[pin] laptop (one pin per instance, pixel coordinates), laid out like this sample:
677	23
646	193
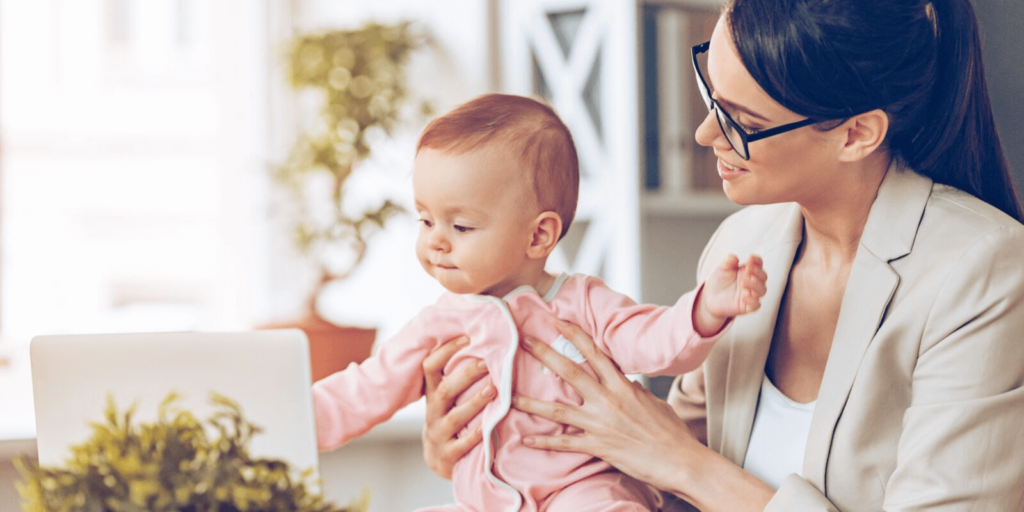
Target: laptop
266	372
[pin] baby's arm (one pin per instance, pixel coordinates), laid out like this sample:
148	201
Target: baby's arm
643	338
349	403
731	290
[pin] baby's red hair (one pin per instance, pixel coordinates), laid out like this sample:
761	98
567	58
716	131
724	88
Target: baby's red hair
529	130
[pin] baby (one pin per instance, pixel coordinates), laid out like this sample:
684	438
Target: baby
495	183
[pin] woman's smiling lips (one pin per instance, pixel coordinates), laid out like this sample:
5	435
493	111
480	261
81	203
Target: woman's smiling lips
728	172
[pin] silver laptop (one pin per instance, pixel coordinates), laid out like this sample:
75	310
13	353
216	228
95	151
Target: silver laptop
266	372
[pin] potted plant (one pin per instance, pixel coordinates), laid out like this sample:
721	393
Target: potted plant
171	465
359	75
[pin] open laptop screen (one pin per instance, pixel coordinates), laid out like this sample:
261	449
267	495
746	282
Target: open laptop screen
266	372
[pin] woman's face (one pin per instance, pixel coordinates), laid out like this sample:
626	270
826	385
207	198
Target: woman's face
800	165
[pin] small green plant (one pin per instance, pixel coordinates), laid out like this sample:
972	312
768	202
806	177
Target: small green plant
171	465
360	76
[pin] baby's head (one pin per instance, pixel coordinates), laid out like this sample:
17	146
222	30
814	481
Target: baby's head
496	181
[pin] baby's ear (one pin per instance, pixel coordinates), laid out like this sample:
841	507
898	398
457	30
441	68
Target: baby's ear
547	228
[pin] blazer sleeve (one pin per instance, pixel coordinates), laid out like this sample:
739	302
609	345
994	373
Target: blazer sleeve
349	403
963	438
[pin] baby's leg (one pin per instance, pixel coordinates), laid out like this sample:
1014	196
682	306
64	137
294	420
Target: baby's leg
610	491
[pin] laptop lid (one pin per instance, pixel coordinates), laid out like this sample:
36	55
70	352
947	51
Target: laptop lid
266	372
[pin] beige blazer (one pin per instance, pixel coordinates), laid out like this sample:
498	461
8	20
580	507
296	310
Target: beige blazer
922	402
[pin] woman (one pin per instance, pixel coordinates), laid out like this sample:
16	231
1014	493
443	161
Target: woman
885	369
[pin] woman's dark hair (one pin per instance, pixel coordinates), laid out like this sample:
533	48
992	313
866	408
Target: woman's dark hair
918	60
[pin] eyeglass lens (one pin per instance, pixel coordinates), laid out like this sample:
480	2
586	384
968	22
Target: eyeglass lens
728	127
731	132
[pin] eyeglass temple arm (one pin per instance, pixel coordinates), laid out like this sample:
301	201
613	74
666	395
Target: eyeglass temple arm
780	129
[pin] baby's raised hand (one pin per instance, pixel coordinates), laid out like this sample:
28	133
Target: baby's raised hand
732	289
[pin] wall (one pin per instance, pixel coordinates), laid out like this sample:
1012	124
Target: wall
1003	49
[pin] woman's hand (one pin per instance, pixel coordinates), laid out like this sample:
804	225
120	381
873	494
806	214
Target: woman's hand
635	431
442	446
622	422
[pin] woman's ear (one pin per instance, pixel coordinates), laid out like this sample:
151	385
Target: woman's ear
864	134
547	228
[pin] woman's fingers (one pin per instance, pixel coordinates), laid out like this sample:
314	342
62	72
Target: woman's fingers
463	444
442	444
460	415
563	443
445	418
606	369
569	371
442	390
455	384
433	364
556	412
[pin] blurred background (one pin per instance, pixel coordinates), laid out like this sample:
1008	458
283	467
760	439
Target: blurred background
148	182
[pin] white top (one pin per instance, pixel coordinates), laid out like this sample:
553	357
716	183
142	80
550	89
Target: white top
779	436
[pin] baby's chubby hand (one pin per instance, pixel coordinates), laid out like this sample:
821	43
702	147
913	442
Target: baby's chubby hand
732	289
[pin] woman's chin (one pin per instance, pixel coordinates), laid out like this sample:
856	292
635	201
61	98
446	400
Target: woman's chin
738	194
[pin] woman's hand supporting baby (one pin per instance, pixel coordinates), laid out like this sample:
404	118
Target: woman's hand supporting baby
442	445
638	433
732	289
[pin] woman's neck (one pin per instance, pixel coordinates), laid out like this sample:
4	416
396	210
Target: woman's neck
833	224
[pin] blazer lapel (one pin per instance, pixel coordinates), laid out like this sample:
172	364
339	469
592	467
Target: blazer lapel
888	235
749	338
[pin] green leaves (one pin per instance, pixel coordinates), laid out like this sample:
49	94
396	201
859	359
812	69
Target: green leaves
360	76
171	465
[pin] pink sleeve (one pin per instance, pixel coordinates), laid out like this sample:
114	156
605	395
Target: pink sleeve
644	338
349	403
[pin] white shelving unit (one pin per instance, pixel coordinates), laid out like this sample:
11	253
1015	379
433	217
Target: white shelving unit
619	73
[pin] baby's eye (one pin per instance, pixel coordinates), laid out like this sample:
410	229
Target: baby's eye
426	223
463	229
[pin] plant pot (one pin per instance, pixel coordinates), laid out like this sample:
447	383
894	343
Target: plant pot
331	347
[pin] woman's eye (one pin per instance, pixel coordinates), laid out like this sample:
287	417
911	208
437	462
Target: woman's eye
750	130
463	229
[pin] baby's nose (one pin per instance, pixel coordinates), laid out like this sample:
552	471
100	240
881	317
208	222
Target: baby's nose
438	242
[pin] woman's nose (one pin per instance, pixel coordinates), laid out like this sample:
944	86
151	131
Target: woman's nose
709	134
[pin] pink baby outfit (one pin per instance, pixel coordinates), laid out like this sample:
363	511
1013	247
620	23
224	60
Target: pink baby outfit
502	473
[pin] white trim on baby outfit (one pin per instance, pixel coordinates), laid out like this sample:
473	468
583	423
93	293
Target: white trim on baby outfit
508	369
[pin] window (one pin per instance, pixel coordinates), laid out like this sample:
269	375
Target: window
133	175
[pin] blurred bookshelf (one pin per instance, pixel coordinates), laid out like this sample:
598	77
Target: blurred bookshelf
679	176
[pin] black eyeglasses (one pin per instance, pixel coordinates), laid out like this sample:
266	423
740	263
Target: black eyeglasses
738	138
